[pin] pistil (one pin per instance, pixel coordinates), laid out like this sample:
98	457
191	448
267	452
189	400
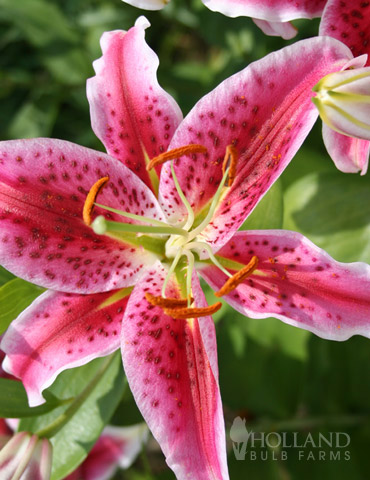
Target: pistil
100	226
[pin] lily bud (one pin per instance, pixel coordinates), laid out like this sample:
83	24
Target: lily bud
26	457
343	101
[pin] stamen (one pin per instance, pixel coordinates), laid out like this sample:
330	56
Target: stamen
90	199
183	313
236	279
189	273
230	161
167	302
190	219
210	253
133	216
211	211
175	153
170	272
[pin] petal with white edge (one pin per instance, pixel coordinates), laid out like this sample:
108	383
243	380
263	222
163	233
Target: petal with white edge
171	367
130	113
298	283
350	155
43	239
59	331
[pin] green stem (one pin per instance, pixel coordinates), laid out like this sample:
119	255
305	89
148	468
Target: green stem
190	220
53	428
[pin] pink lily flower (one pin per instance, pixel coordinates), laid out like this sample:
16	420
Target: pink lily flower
126	275
117	447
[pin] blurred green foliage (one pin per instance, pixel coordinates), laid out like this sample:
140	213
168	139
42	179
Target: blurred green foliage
278	377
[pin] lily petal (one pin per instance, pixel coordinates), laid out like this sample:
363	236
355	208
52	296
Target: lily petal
59	331
271	10
5	431
350	155
130	113
349	22
276	29
266	112
43	187
298	283
170	366
116	447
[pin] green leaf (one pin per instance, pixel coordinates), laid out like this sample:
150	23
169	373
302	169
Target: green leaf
14	402
41	22
36	117
332	210
5	276
269	212
97	389
15	296
253	370
272	332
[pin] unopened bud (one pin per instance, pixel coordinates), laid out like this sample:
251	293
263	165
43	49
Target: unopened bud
343	101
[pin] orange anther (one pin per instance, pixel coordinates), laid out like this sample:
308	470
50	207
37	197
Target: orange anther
176	153
90	199
183	313
230	160
236	279
167	302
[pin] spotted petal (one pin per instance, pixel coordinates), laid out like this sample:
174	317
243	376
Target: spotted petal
266	112
60	331
349	22
298	283
130	113
43	186
171	366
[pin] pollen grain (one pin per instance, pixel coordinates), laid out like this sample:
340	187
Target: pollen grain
230	160
236	279
90	199
176	153
167	302
192	312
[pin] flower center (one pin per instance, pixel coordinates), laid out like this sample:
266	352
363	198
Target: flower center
181	242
